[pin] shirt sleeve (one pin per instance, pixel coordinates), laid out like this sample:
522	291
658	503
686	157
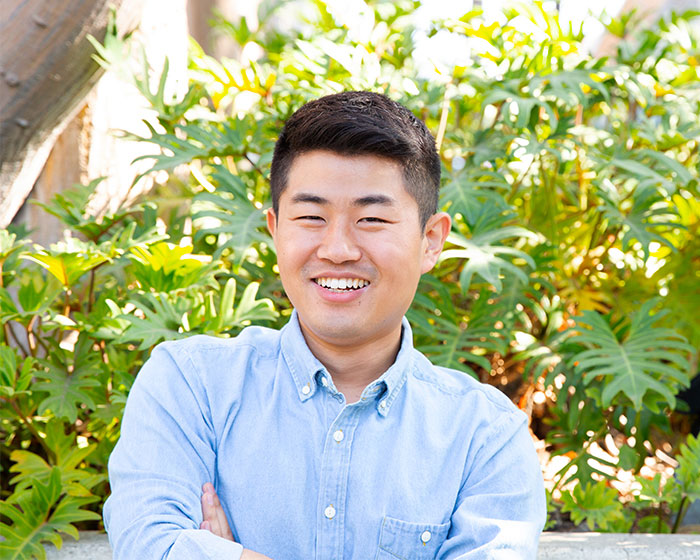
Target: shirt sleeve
501	507
166	451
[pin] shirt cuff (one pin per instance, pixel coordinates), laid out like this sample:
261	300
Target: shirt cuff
199	543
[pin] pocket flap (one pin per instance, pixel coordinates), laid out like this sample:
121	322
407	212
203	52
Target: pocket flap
412	541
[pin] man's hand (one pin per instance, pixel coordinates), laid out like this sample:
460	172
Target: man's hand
213	514
215	521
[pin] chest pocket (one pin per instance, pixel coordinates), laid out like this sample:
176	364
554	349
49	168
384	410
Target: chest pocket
410	541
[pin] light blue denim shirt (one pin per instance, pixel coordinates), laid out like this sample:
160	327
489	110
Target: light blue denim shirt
429	463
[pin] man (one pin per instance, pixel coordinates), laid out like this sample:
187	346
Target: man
332	438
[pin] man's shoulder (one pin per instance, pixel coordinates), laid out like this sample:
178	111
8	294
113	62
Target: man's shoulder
460	387
210	352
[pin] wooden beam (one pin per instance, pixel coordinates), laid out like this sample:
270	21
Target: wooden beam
46	70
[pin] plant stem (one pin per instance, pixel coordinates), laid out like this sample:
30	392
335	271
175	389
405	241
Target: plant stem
66	305
443	120
260	171
5	325
31	337
516	184
679	515
28	423
18	343
91	290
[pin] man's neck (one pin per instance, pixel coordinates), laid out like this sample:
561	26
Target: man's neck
353	367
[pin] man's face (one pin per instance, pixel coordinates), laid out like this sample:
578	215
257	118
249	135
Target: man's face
350	248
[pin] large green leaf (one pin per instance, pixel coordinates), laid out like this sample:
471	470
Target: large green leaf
160	320
593	503
15	375
165	267
68	261
484	255
38	515
68	379
645	365
69	457
649	217
240	222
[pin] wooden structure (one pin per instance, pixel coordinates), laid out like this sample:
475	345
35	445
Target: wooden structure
46	70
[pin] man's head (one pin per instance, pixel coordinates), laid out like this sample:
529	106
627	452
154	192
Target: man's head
358	123
355	187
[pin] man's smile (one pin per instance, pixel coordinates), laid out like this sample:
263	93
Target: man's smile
341	284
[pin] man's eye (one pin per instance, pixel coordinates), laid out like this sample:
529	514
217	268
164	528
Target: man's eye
311	218
374	220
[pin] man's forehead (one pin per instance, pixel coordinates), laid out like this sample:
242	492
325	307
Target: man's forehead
366	179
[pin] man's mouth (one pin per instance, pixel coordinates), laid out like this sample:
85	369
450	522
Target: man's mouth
341	284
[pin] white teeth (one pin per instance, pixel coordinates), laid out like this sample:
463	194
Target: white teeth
341	283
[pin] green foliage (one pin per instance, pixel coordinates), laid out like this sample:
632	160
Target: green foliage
645	367
38	515
570	271
594	504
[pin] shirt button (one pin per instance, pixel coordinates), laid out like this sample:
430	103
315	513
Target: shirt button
425	537
329	512
382	405
306	389
338	436
324	381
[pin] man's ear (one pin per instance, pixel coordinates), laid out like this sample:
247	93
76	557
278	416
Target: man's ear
436	231
271	218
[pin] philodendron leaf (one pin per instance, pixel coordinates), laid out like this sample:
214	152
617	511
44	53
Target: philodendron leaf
688	471
165	267
68	455
160	320
484	252
595	504
15	375
68	378
646	221
646	363
240	221
38	515
486	257
453	345
251	309
69	260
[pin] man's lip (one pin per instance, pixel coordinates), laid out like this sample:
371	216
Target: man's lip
339	276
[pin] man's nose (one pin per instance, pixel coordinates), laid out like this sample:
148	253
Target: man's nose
338	244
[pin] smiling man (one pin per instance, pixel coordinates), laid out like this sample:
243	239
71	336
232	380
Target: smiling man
332	438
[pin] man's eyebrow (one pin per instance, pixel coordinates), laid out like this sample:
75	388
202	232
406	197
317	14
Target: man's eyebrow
363	201
374	199
300	198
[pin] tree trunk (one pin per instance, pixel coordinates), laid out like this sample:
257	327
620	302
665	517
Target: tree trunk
46	69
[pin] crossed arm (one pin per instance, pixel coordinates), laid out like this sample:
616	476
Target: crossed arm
214	521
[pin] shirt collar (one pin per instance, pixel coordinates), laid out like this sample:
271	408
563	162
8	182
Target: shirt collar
307	370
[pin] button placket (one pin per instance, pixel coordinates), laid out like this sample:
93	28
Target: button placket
333	484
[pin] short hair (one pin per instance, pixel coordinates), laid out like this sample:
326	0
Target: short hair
356	123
